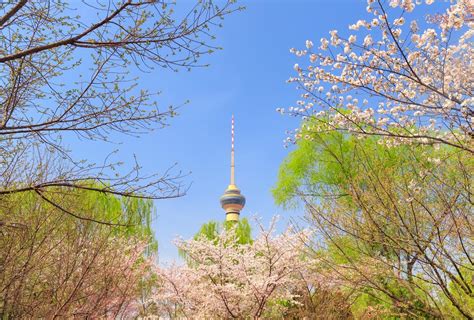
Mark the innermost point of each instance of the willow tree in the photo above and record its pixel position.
(55, 265)
(66, 74)
(211, 230)
(394, 225)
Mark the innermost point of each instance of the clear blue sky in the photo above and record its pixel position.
(248, 79)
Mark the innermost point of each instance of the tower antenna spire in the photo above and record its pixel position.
(232, 159)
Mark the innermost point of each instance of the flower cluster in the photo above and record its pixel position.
(225, 279)
(393, 79)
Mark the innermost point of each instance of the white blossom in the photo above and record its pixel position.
(324, 44)
(368, 40)
(402, 79)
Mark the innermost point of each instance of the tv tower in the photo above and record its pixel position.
(232, 201)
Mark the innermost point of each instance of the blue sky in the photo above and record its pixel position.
(247, 79)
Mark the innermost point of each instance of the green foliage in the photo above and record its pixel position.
(327, 163)
(298, 166)
(243, 230)
(460, 294)
(129, 217)
(313, 165)
(378, 209)
(210, 230)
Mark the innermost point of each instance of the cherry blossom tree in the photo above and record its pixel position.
(231, 280)
(384, 155)
(394, 76)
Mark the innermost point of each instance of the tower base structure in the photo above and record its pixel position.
(232, 216)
